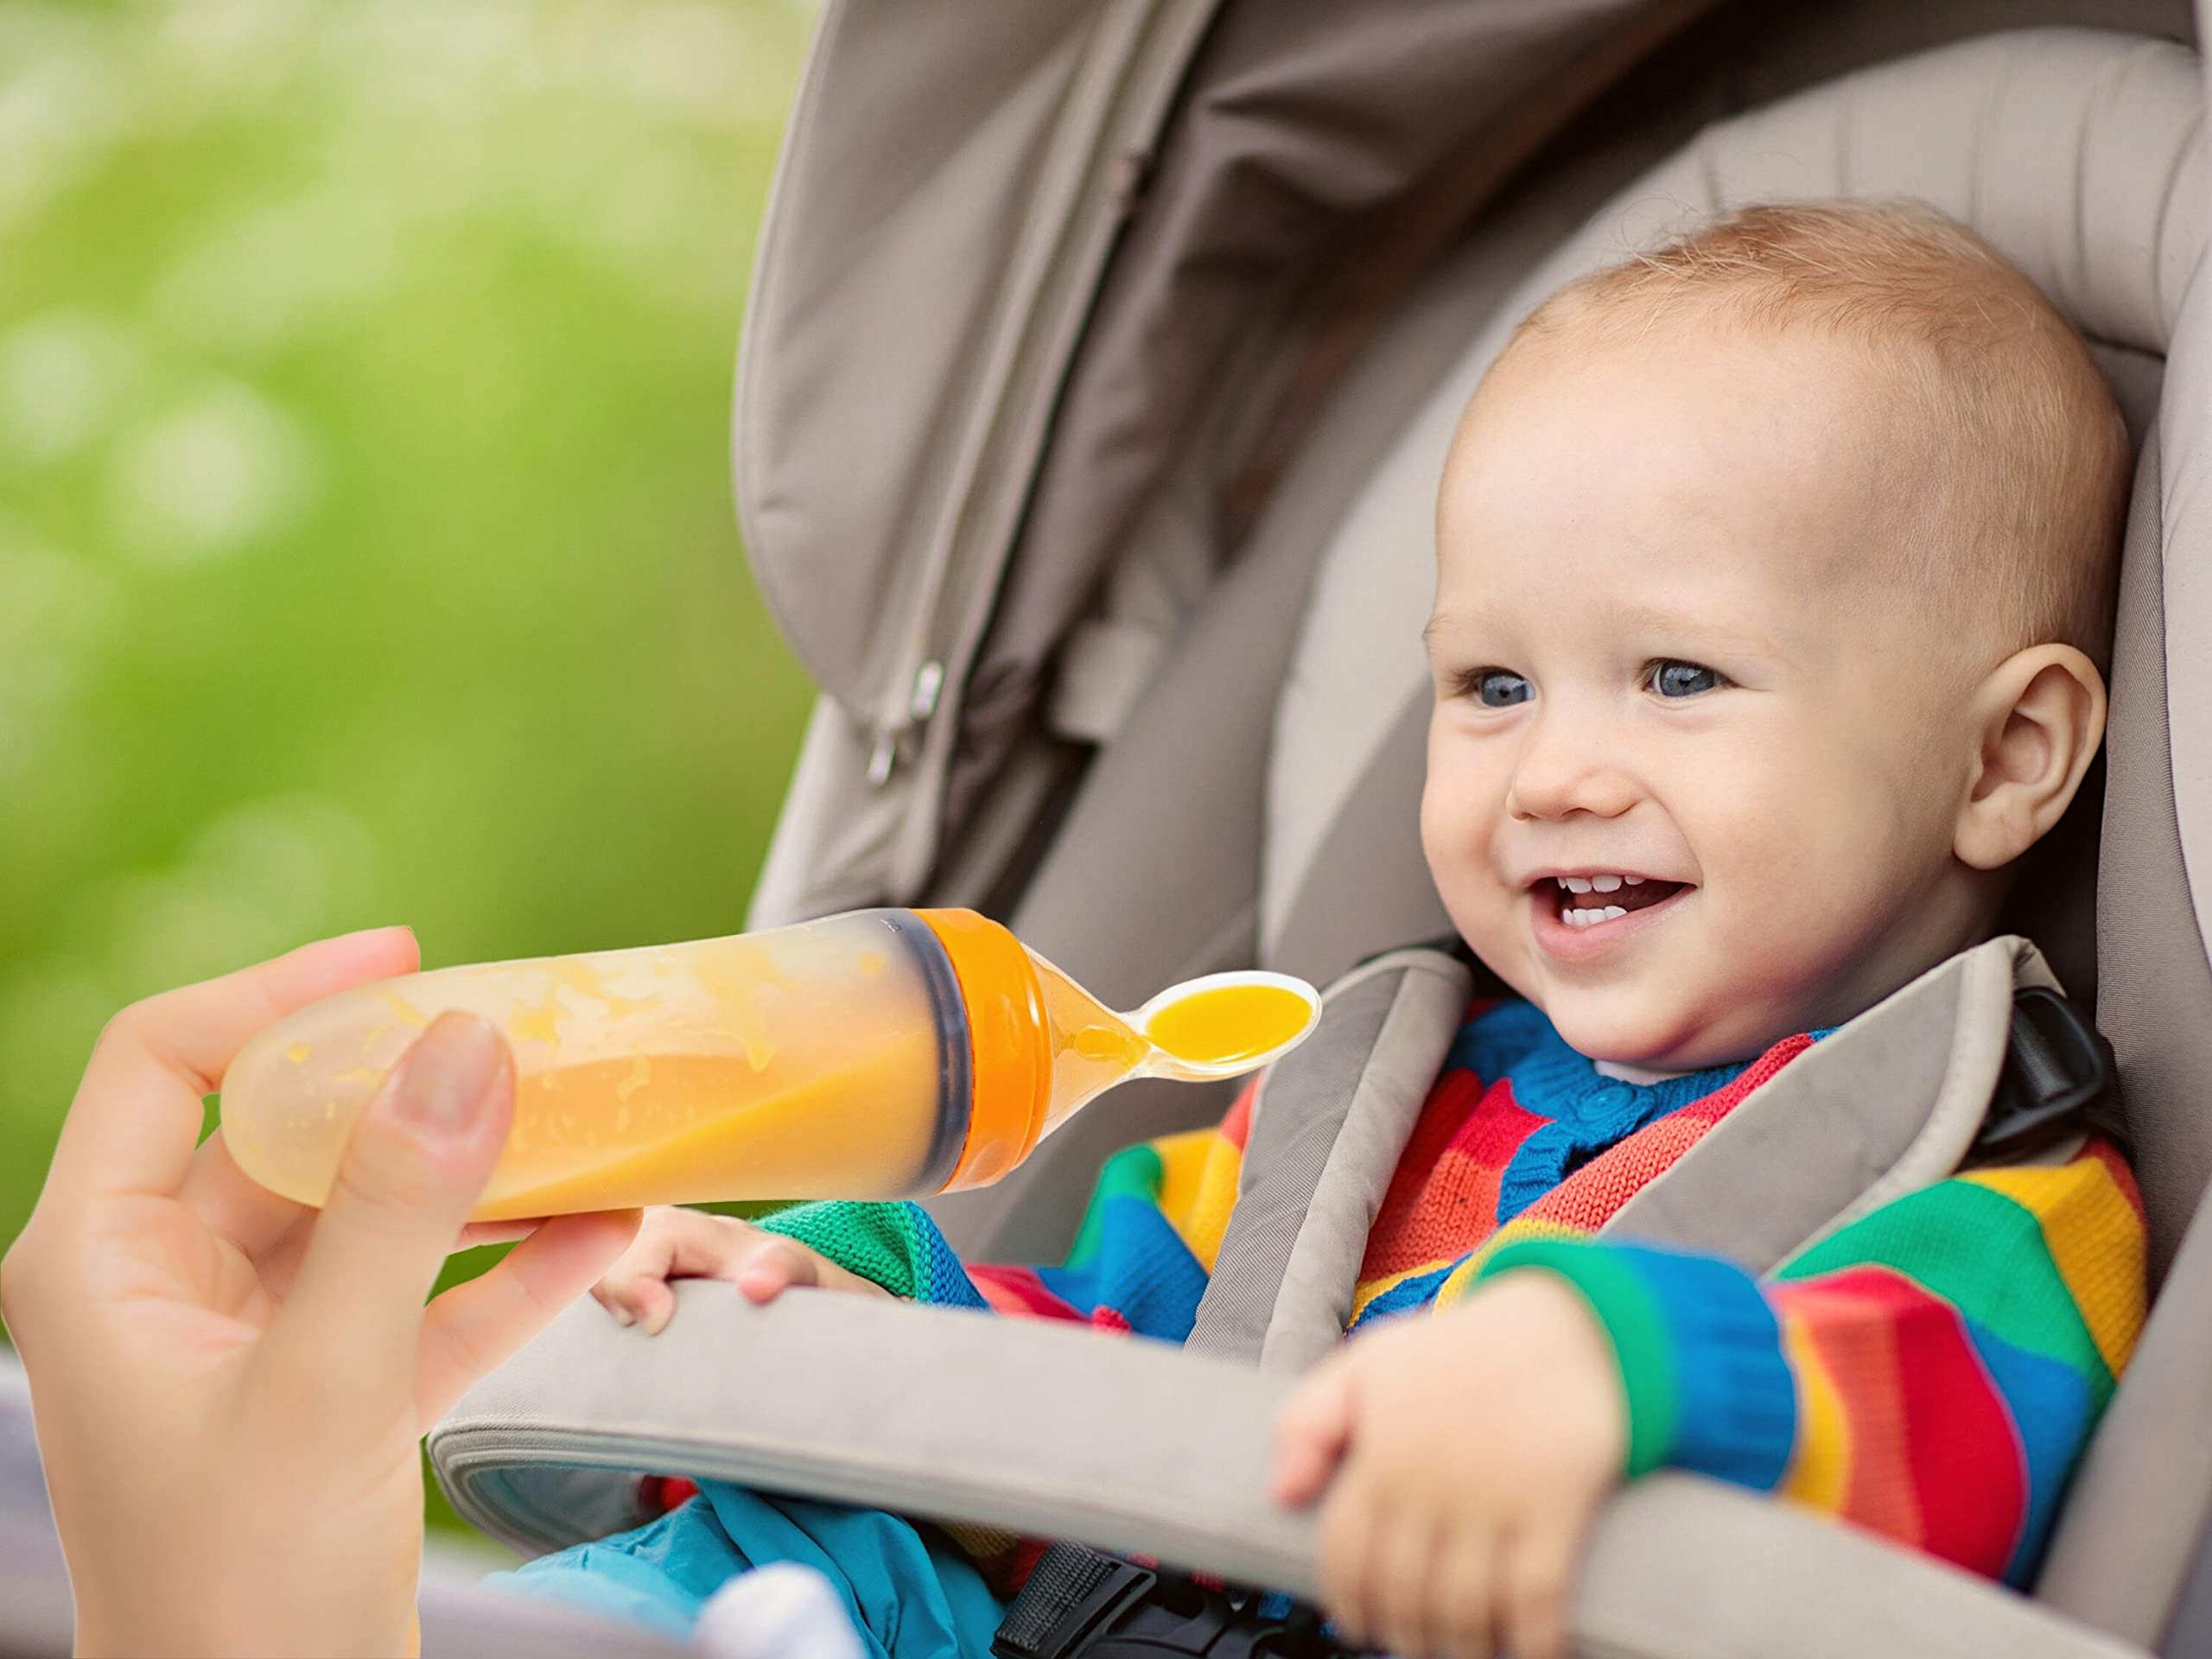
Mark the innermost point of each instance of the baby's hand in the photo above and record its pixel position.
(1471, 1448)
(678, 1243)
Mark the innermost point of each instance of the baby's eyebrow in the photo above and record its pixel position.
(1443, 622)
(1697, 630)
(1700, 628)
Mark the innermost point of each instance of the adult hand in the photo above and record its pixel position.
(229, 1388)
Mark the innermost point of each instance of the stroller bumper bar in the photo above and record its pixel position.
(1171, 1464)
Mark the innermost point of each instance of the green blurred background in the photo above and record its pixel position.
(365, 545)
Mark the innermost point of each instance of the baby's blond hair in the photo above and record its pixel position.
(2022, 424)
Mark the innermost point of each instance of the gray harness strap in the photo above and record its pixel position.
(1331, 1120)
(1891, 1102)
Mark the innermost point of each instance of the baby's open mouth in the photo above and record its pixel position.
(1592, 900)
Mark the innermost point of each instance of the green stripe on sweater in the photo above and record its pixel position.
(1982, 1252)
(1133, 1173)
(876, 1241)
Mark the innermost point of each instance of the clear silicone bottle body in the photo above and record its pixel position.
(827, 1059)
(879, 1054)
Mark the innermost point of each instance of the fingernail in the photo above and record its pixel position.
(623, 1316)
(444, 1078)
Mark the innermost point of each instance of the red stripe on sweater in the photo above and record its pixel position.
(1019, 1291)
(1587, 1198)
(1442, 1201)
(1858, 1350)
(1721, 1101)
(1962, 1454)
(2116, 1166)
(1236, 1128)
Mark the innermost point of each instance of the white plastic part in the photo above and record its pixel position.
(783, 1610)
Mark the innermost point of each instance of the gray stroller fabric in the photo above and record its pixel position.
(1326, 1130)
(1979, 128)
(33, 1586)
(1241, 250)
(2078, 153)
(1171, 1458)
(1204, 811)
(1295, 120)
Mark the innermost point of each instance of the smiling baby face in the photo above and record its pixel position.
(1739, 718)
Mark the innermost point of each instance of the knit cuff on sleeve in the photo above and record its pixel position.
(1707, 1385)
(895, 1245)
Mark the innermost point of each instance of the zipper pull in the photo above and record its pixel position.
(921, 702)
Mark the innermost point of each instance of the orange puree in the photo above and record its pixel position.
(800, 1063)
(1228, 1023)
(691, 1129)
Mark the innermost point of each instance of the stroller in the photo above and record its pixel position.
(1100, 365)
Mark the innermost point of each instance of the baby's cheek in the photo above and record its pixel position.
(1791, 914)
(1456, 825)
(1457, 830)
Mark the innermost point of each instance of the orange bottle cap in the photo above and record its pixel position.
(1010, 1052)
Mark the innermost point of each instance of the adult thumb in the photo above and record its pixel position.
(416, 1159)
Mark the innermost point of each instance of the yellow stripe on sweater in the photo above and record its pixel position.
(1819, 1464)
(1460, 1282)
(1198, 1188)
(2090, 1230)
(1369, 1289)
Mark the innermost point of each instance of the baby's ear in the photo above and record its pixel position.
(2040, 715)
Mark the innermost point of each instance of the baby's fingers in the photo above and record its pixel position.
(1465, 1594)
(1312, 1432)
(1346, 1564)
(781, 1264)
(1538, 1573)
(636, 1298)
(1403, 1580)
(777, 1266)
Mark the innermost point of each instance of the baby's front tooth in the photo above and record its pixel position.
(1612, 911)
(1576, 883)
(1605, 883)
(1633, 880)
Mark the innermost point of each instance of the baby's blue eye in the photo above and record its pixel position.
(1673, 677)
(1499, 688)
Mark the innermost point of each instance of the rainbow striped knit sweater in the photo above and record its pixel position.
(1931, 1370)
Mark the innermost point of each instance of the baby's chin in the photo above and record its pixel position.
(1655, 1032)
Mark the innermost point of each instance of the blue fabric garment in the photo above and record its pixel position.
(1588, 1113)
(911, 1594)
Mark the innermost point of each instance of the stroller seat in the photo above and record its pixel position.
(1149, 319)
(1217, 762)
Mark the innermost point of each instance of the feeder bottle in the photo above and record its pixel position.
(878, 1054)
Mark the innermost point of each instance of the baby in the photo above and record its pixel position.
(1775, 576)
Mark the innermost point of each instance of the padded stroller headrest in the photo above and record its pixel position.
(2076, 152)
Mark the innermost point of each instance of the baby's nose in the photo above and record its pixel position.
(1558, 776)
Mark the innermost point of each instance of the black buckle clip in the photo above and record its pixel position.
(1081, 1593)
(2057, 1066)
(1083, 1603)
